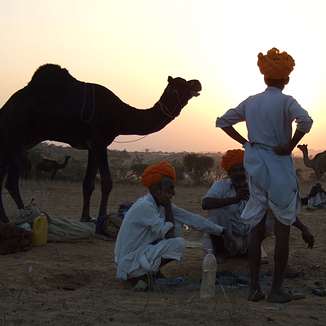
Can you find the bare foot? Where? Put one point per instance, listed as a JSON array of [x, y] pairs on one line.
[[141, 286], [279, 296], [256, 295]]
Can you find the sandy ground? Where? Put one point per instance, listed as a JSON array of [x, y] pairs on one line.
[[74, 283]]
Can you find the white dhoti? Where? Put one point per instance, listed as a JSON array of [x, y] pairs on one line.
[[272, 184], [148, 258], [141, 244]]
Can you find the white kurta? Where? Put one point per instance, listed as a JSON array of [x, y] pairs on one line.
[[272, 178], [140, 244], [229, 217]]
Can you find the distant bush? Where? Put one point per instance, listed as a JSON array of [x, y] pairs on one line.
[[197, 165], [125, 167]]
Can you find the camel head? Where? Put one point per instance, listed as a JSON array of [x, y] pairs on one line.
[[177, 94], [303, 147]]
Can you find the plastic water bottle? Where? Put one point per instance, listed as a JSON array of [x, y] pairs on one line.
[[207, 288]]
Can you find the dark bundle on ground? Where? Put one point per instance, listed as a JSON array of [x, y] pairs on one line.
[[14, 239]]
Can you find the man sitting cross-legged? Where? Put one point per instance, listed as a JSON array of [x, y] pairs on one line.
[[149, 236]]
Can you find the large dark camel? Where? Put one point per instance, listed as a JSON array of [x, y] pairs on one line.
[[51, 166], [56, 106]]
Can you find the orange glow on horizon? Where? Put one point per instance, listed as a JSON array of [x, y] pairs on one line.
[[131, 47]]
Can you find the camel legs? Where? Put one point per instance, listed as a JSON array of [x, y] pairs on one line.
[[97, 159], [89, 183], [53, 173], [12, 182], [3, 216], [106, 180], [12, 169]]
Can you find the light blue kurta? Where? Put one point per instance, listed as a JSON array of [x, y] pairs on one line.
[[227, 216], [140, 244], [272, 178]]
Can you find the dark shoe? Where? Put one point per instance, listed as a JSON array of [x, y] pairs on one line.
[[143, 283], [256, 295], [279, 296]]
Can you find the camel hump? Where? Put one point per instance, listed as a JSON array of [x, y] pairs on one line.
[[50, 74]]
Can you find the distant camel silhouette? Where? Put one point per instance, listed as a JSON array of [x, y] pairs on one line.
[[318, 163], [56, 106], [52, 166]]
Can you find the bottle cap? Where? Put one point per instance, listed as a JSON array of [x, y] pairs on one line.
[[210, 251]]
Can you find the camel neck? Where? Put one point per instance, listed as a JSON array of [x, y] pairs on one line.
[[143, 122], [306, 158]]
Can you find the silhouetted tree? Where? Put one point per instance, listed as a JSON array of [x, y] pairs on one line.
[[138, 168], [179, 169], [196, 165]]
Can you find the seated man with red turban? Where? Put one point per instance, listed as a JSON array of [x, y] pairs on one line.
[[149, 236], [225, 201]]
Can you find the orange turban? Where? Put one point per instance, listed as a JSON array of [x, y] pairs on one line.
[[231, 158], [275, 64], [155, 172]]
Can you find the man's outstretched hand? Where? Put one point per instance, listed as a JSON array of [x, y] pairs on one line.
[[308, 238]]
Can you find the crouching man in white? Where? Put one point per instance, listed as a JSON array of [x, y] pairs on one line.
[[149, 236]]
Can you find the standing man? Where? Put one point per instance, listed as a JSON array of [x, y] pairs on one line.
[[268, 163]]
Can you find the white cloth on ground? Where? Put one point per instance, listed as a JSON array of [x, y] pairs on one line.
[[272, 179], [140, 244], [317, 201], [66, 229]]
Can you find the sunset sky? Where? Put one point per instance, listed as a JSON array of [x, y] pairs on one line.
[[132, 46]]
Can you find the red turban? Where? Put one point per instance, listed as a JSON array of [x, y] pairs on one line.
[[154, 173], [231, 158], [275, 64]]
